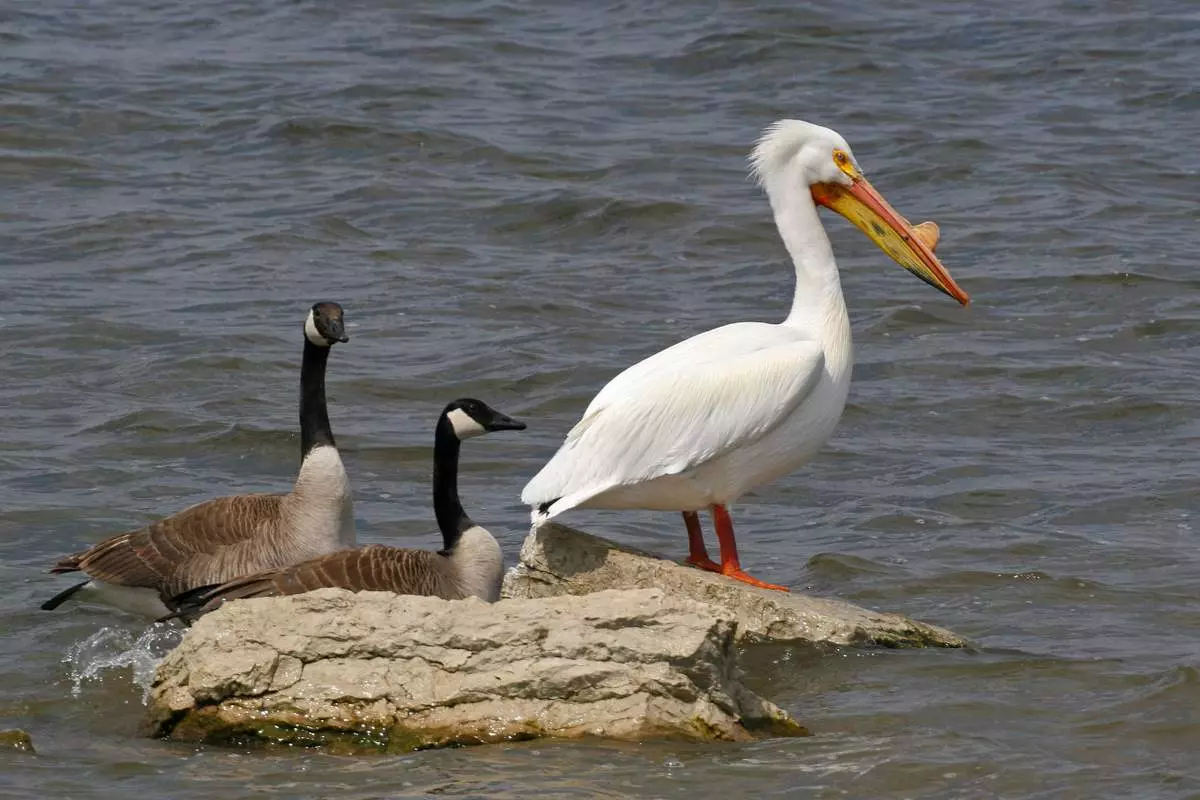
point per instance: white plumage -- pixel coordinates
(677, 411)
(698, 424)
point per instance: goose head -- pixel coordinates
(324, 326)
(469, 417)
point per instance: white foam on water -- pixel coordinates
(109, 649)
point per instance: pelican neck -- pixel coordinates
(818, 291)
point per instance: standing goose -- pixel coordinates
(697, 425)
(469, 564)
(229, 536)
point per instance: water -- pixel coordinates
(515, 200)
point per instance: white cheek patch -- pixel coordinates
(311, 332)
(464, 424)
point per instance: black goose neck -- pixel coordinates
(314, 417)
(451, 518)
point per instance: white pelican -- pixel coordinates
(698, 424)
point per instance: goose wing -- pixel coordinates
(680, 408)
(374, 568)
(178, 551)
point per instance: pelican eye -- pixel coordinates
(842, 159)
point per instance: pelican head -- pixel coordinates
(818, 159)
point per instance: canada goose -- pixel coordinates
(469, 564)
(222, 538)
(697, 425)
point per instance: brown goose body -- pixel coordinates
(373, 568)
(216, 540)
(219, 539)
(470, 565)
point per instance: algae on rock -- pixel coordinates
(16, 739)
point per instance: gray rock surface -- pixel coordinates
(375, 671)
(558, 560)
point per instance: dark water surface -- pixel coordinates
(516, 200)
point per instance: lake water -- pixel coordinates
(513, 201)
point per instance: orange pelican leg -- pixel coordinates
(729, 554)
(697, 552)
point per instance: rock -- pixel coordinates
(558, 560)
(16, 739)
(380, 672)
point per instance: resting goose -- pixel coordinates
(469, 564)
(222, 538)
(697, 425)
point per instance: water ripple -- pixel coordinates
(516, 202)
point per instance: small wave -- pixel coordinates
(916, 318)
(559, 212)
(111, 649)
(144, 423)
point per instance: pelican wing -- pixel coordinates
(680, 408)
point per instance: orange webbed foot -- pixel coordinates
(738, 574)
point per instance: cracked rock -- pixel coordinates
(375, 671)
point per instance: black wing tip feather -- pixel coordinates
(61, 597)
(72, 563)
(192, 596)
(187, 615)
(190, 605)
